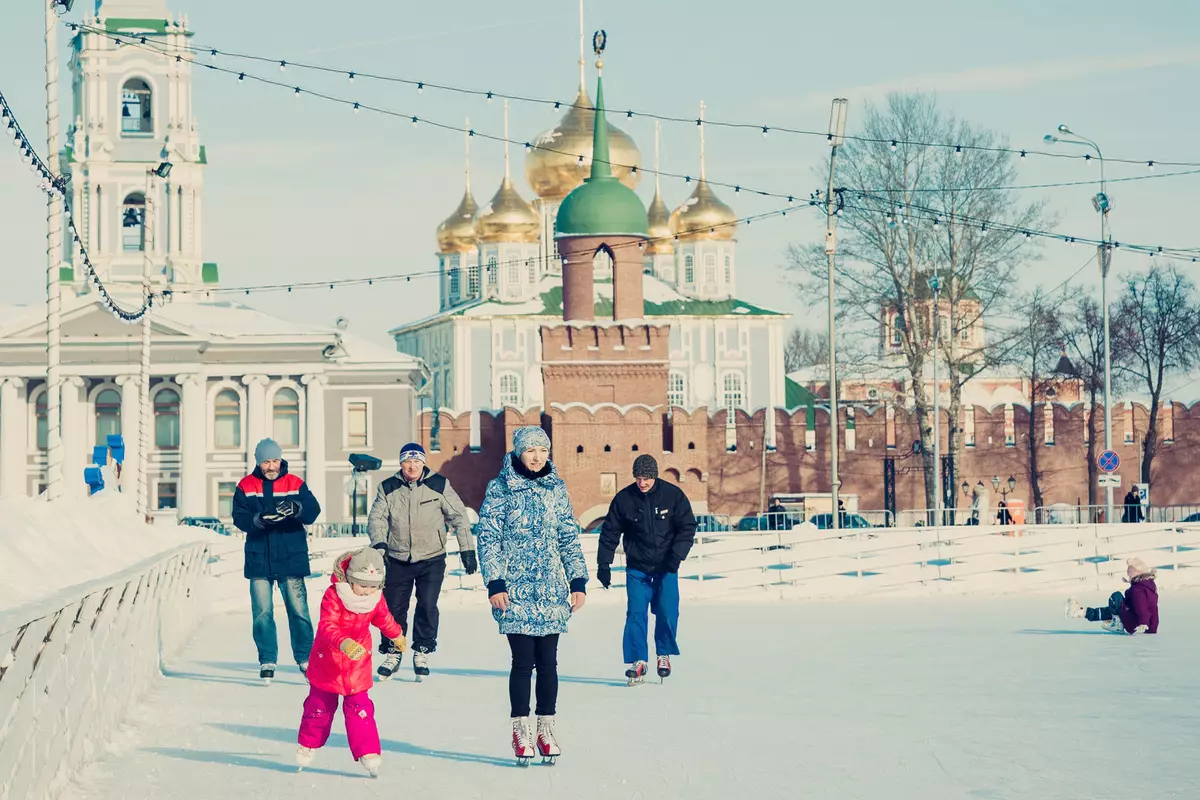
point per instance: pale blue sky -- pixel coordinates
(303, 190)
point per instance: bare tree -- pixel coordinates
(911, 211)
(1158, 328)
(1083, 335)
(805, 348)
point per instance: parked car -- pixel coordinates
(1191, 517)
(771, 522)
(848, 520)
(212, 523)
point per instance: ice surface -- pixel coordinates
(916, 698)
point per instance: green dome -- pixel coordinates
(602, 206)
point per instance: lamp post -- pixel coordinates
(935, 286)
(148, 221)
(837, 131)
(1103, 205)
(1004, 492)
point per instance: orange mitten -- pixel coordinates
(353, 650)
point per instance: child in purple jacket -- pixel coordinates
(1136, 611)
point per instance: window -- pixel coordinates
(965, 333)
(357, 434)
(676, 389)
(689, 273)
(133, 224)
(710, 260)
(728, 269)
(532, 271)
(493, 266)
(602, 263)
(166, 420)
(227, 419)
(733, 391)
(358, 504)
(42, 420)
(710, 274)
(168, 497)
(108, 415)
(136, 111)
(510, 390)
(513, 273)
(895, 331)
(286, 417)
(225, 490)
(454, 280)
(473, 280)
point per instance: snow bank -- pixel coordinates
(47, 548)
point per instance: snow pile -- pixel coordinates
(47, 548)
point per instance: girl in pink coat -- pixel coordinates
(340, 665)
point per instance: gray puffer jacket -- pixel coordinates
(413, 519)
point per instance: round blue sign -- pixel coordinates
(1109, 461)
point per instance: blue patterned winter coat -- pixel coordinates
(529, 547)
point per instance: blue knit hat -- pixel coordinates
(266, 450)
(412, 452)
(529, 437)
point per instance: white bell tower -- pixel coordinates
(133, 111)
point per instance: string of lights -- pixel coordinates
(420, 85)
(56, 186)
(357, 106)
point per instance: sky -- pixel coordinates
(300, 189)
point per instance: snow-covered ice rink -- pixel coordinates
(904, 698)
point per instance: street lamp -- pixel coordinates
(1012, 485)
(1103, 204)
(935, 286)
(837, 132)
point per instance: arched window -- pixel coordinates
(454, 281)
(532, 270)
(689, 271)
(227, 419)
(493, 266)
(513, 275)
(41, 421)
(286, 418)
(510, 390)
(602, 264)
(728, 269)
(166, 419)
(137, 115)
(473, 280)
(676, 389)
(108, 415)
(733, 391)
(710, 268)
(133, 223)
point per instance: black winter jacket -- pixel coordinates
(657, 528)
(278, 550)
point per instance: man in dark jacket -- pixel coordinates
(1133, 507)
(411, 518)
(654, 521)
(272, 506)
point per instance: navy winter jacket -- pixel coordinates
(277, 550)
(657, 528)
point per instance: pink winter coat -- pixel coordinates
(328, 667)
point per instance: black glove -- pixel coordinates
(264, 521)
(381, 547)
(288, 508)
(469, 561)
(604, 575)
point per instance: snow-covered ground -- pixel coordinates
(915, 698)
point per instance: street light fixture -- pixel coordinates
(1103, 205)
(1012, 485)
(935, 286)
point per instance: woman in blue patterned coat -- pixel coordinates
(533, 567)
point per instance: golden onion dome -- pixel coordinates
(456, 234)
(704, 216)
(507, 218)
(555, 171)
(659, 221)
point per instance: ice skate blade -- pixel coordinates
(524, 761)
(549, 760)
(267, 681)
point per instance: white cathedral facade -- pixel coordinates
(223, 375)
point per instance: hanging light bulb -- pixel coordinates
(528, 147)
(282, 66)
(1150, 164)
(356, 107)
(937, 221)
(958, 149)
(351, 77)
(893, 145)
(297, 94)
(241, 77)
(580, 158)
(765, 131)
(489, 97)
(212, 55)
(1022, 154)
(414, 122)
(420, 87)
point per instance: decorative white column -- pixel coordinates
(193, 441)
(131, 431)
(256, 413)
(314, 437)
(75, 439)
(14, 422)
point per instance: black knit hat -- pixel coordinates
(644, 466)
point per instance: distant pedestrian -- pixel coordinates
(412, 516)
(654, 522)
(1133, 508)
(272, 506)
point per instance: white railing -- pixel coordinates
(70, 671)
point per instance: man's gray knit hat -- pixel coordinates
(644, 466)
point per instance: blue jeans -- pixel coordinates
(660, 593)
(262, 607)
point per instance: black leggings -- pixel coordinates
(1116, 604)
(529, 653)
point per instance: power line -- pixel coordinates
(489, 95)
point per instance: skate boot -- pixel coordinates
(267, 673)
(1113, 625)
(304, 756)
(636, 673)
(371, 764)
(420, 665)
(391, 663)
(547, 742)
(303, 665)
(521, 741)
(1074, 610)
(664, 667)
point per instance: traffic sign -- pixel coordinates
(1105, 481)
(1108, 461)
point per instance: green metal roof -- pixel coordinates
(66, 274)
(686, 307)
(209, 273)
(203, 155)
(602, 206)
(124, 24)
(796, 395)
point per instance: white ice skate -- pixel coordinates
(1114, 625)
(371, 764)
(420, 665)
(522, 742)
(304, 756)
(547, 742)
(1141, 629)
(1074, 610)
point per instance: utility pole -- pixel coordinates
(935, 284)
(54, 248)
(143, 384)
(837, 132)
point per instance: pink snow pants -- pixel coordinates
(361, 731)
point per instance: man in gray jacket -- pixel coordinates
(413, 513)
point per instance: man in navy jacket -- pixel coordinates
(272, 506)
